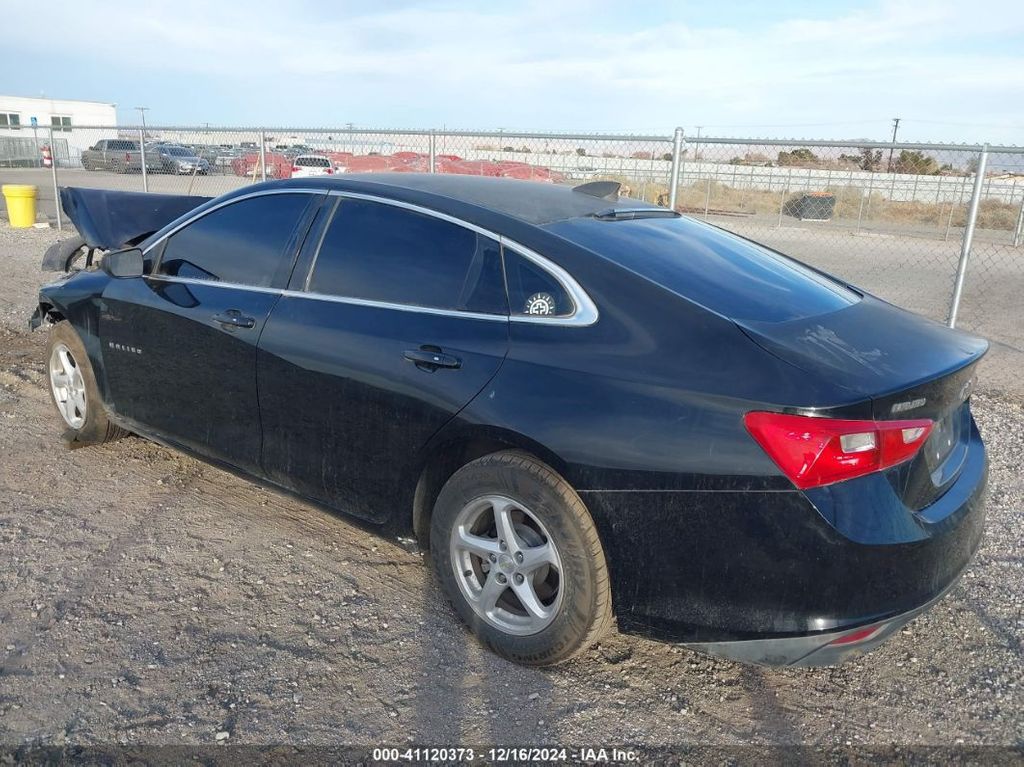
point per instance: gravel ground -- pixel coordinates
(146, 597)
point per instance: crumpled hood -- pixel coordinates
(109, 219)
(871, 348)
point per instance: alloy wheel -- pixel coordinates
(68, 386)
(506, 564)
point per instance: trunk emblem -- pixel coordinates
(903, 407)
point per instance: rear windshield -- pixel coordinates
(321, 162)
(713, 268)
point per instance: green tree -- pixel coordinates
(913, 161)
(868, 159)
(800, 156)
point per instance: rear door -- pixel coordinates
(179, 345)
(402, 320)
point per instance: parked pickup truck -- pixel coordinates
(119, 155)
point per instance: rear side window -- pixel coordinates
(246, 242)
(720, 271)
(379, 252)
(532, 291)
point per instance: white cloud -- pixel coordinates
(546, 65)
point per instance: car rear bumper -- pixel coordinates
(776, 577)
(827, 649)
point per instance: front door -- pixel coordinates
(401, 323)
(179, 345)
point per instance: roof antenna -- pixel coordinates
(605, 190)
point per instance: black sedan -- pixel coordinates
(588, 408)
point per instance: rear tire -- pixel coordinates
(519, 557)
(73, 390)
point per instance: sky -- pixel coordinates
(952, 70)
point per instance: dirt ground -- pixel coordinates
(148, 598)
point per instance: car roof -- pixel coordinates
(532, 202)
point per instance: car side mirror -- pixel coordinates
(123, 263)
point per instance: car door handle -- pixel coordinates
(430, 358)
(233, 318)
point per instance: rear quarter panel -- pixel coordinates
(650, 396)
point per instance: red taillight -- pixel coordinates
(127, 157)
(330, 171)
(819, 451)
(295, 168)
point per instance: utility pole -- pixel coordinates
(142, 111)
(696, 144)
(895, 127)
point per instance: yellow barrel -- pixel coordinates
(21, 204)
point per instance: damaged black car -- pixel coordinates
(591, 410)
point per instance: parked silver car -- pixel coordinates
(119, 155)
(181, 159)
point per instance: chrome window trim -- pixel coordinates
(585, 312)
(212, 283)
(583, 315)
(325, 297)
(399, 307)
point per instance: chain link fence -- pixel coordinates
(900, 220)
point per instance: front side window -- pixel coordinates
(378, 252)
(532, 291)
(247, 242)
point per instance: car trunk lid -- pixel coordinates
(907, 366)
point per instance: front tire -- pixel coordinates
(519, 557)
(73, 390)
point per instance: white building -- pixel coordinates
(25, 125)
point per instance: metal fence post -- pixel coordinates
(782, 205)
(677, 155)
(53, 172)
(263, 156)
(965, 247)
(433, 151)
(142, 159)
(1018, 231)
(952, 208)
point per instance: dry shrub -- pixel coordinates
(992, 214)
